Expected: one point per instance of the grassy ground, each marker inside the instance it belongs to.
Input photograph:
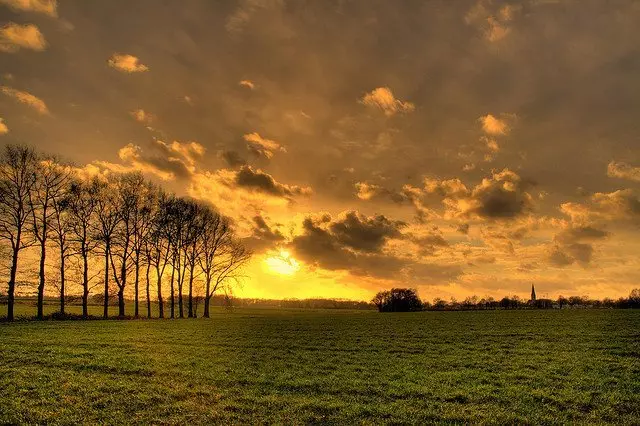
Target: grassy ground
(330, 367)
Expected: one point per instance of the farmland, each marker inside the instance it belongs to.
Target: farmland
(304, 366)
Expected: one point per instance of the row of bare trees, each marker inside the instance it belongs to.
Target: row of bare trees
(143, 235)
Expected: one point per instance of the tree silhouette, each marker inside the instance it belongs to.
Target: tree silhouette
(18, 165)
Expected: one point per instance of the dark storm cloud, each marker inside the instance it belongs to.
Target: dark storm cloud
(503, 197)
(259, 181)
(355, 243)
(367, 234)
(575, 244)
(263, 236)
(581, 233)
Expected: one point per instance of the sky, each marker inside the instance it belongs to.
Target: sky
(457, 147)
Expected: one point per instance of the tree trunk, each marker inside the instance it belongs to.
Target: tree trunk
(207, 298)
(85, 285)
(107, 251)
(173, 294)
(123, 283)
(62, 273)
(43, 255)
(190, 314)
(121, 302)
(180, 282)
(206, 307)
(160, 301)
(12, 279)
(136, 283)
(148, 292)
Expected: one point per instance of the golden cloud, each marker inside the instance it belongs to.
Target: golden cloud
(3, 127)
(14, 37)
(262, 147)
(48, 7)
(126, 63)
(494, 126)
(383, 99)
(623, 171)
(26, 98)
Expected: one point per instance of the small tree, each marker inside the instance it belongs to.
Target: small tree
(398, 300)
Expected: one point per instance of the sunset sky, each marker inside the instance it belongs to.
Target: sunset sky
(458, 147)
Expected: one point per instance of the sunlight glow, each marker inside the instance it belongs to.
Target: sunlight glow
(282, 263)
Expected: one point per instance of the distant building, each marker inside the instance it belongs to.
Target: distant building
(533, 293)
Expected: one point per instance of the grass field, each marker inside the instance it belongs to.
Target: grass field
(326, 367)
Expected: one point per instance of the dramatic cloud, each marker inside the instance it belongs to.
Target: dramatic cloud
(3, 127)
(356, 243)
(26, 98)
(263, 236)
(257, 180)
(14, 37)
(383, 99)
(126, 63)
(262, 147)
(623, 171)
(502, 196)
(167, 161)
(366, 234)
(48, 7)
(575, 244)
(619, 205)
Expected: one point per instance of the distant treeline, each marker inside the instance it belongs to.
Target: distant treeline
(407, 300)
(119, 233)
(219, 300)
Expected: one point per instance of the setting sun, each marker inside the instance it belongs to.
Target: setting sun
(282, 263)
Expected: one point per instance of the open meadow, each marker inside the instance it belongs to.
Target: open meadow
(299, 366)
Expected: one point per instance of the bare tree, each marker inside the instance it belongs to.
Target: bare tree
(81, 204)
(216, 235)
(60, 228)
(52, 181)
(127, 188)
(106, 224)
(231, 258)
(158, 249)
(192, 246)
(142, 221)
(175, 224)
(17, 181)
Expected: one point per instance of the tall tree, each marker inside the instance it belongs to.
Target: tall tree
(216, 236)
(18, 166)
(192, 246)
(60, 227)
(81, 204)
(159, 246)
(127, 198)
(52, 180)
(142, 221)
(106, 224)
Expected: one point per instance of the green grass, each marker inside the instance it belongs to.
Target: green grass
(276, 366)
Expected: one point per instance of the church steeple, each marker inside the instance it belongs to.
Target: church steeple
(533, 293)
